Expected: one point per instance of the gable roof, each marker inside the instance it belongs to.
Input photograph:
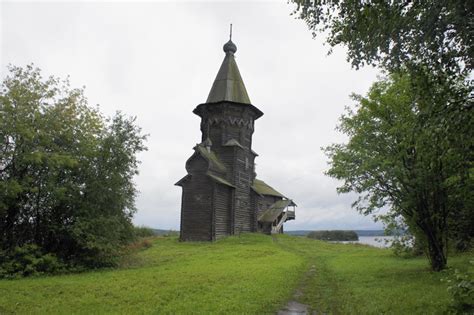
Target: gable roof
(216, 178)
(183, 180)
(262, 188)
(211, 157)
(274, 211)
(219, 180)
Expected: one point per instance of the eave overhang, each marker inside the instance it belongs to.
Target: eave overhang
(272, 213)
(258, 112)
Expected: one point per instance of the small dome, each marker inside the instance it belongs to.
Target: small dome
(230, 47)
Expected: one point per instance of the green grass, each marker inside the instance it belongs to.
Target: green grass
(235, 275)
(358, 279)
(252, 274)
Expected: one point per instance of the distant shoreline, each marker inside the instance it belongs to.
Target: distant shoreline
(295, 232)
(359, 232)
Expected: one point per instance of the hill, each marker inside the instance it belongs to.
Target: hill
(250, 274)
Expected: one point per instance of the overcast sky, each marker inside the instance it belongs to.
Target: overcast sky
(158, 60)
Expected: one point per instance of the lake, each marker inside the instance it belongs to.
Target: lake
(376, 241)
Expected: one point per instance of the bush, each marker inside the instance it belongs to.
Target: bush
(66, 174)
(143, 231)
(406, 246)
(28, 260)
(335, 235)
(139, 245)
(461, 288)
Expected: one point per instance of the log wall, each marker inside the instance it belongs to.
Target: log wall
(196, 209)
(222, 209)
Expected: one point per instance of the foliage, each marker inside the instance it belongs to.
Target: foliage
(435, 33)
(65, 171)
(406, 246)
(432, 42)
(248, 275)
(461, 288)
(143, 231)
(404, 156)
(143, 244)
(28, 260)
(334, 235)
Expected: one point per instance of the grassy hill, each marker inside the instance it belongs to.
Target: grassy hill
(252, 274)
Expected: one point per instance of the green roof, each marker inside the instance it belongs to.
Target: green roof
(228, 85)
(220, 180)
(233, 143)
(262, 188)
(274, 211)
(211, 157)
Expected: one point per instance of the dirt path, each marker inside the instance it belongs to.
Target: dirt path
(293, 307)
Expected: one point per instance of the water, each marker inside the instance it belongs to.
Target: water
(376, 241)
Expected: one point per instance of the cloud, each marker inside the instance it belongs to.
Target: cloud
(157, 61)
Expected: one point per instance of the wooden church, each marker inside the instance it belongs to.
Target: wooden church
(221, 194)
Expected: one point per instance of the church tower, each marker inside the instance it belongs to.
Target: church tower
(219, 197)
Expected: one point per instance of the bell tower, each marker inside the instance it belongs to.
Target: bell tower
(228, 120)
(221, 195)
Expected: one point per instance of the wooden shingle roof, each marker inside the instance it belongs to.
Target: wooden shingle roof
(211, 157)
(228, 85)
(274, 211)
(219, 180)
(262, 188)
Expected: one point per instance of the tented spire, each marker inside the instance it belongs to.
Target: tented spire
(228, 85)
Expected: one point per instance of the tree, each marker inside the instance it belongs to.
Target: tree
(435, 33)
(399, 157)
(431, 42)
(65, 171)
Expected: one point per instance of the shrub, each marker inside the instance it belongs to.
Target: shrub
(139, 245)
(143, 231)
(461, 288)
(406, 246)
(28, 260)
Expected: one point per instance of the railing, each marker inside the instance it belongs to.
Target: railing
(290, 215)
(276, 229)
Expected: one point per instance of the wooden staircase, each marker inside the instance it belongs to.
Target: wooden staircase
(276, 228)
